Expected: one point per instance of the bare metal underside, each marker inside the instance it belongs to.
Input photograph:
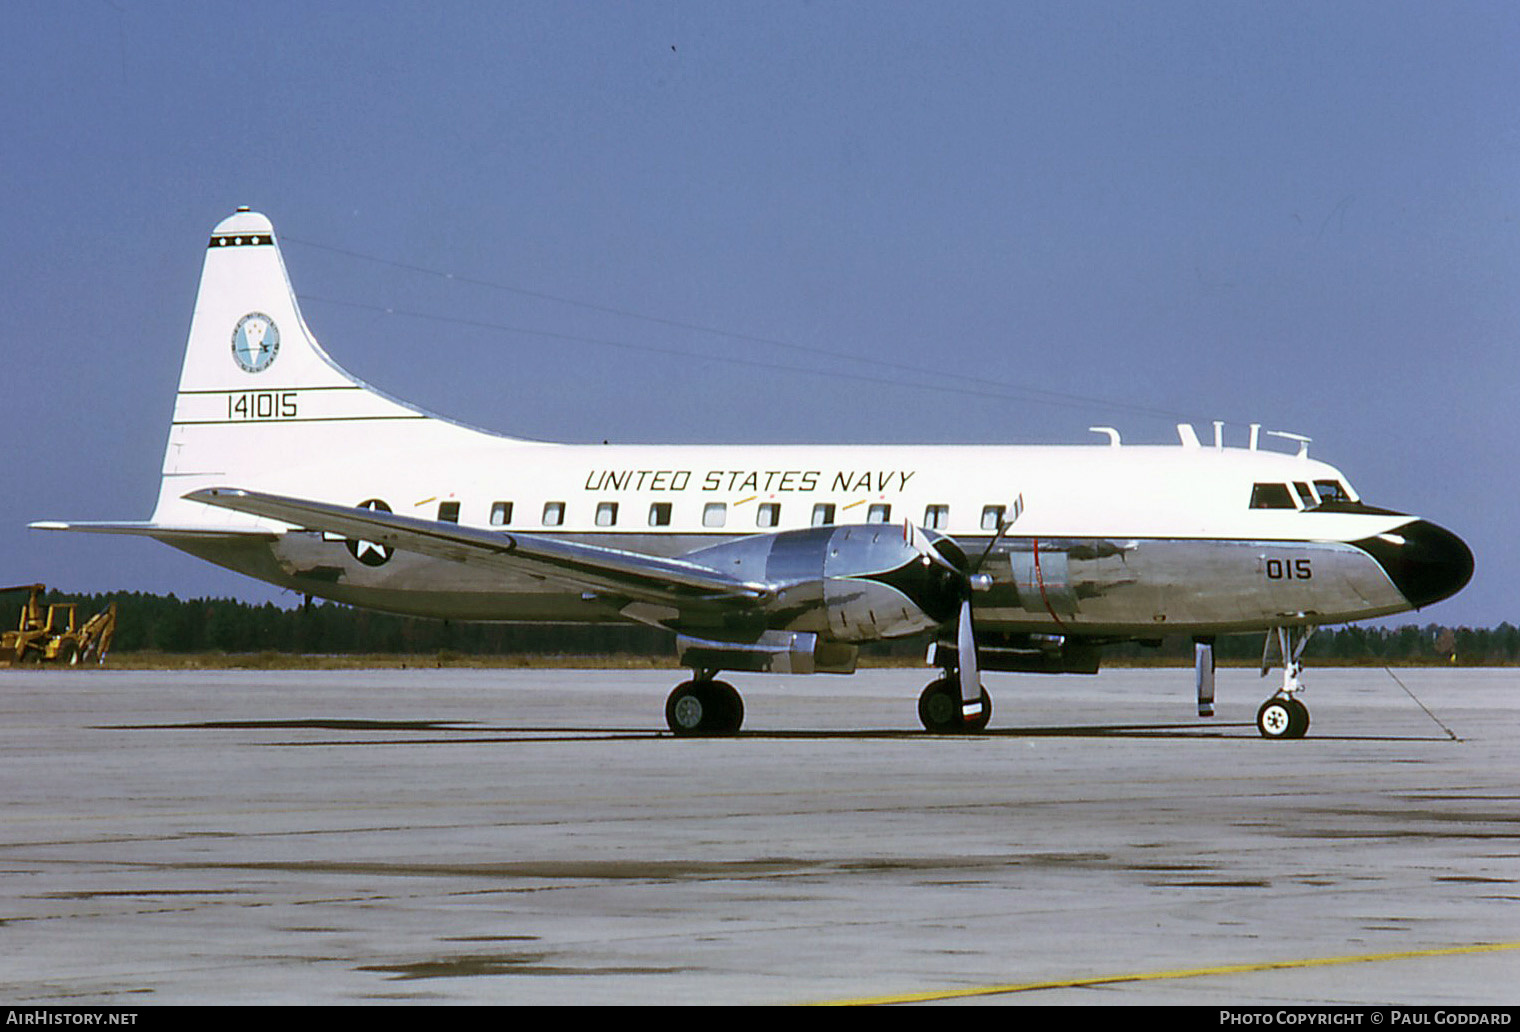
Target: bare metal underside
(1098, 588)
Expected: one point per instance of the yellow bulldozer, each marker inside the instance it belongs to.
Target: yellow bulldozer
(50, 632)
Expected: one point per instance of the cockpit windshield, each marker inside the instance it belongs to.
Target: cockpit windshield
(1331, 491)
(1325, 494)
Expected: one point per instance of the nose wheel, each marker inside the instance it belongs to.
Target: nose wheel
(1282, 717)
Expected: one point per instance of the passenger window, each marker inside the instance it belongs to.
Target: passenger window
(606, 514)
(937, 517)
(992, 516)
(659, 514)
(768, 515)
(1332, 491)
(554, 514)
(879, 513)
(501, 514)
(1271, 496)
(714, 514)
(448, 512)
(823, 514)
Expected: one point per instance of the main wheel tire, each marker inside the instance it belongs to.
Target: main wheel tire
(1300, 719)
(1282, 718)
(704, 708)
(939, 709)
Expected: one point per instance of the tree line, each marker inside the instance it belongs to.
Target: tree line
(164, 623)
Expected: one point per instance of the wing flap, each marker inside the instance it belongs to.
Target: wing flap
(636, 575)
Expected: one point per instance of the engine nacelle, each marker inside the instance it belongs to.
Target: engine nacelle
(877, 584)
(856, 583)
(774, 652)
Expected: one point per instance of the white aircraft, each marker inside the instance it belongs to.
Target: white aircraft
(283, 466)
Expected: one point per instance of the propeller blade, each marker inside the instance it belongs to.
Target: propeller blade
(1018, 510)
(915, 538)
(970, 675)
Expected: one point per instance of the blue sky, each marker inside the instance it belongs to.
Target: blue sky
(970, 222)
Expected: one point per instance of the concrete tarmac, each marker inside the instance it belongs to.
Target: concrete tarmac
(537, 837)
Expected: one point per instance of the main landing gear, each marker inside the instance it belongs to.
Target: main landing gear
(939, 708)
(703, 706)
(1284, 715)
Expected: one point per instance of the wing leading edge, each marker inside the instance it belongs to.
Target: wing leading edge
(633, 575)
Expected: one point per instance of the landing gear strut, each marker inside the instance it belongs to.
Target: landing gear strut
(703, 706)
(1284, 715)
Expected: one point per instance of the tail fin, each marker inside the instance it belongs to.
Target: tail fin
(258, 396)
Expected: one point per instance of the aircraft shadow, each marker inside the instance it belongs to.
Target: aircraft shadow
(462, 732)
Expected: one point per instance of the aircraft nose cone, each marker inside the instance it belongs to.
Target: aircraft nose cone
(1425, 562)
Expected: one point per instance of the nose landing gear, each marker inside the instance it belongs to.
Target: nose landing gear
(1284, 715)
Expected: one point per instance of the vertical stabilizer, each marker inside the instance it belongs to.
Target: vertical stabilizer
(247, 337)
(257, 394)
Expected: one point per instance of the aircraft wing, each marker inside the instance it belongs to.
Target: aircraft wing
(633, 575)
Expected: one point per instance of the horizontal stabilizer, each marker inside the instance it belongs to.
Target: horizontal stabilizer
(158, 531)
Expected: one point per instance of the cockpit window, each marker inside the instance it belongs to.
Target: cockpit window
(1331, 491)
(1271, 496)
(1305, 495)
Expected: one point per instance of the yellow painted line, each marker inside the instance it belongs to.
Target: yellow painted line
(1156, 976)
(852, 505)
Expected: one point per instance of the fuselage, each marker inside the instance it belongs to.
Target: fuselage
(1114, 541)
